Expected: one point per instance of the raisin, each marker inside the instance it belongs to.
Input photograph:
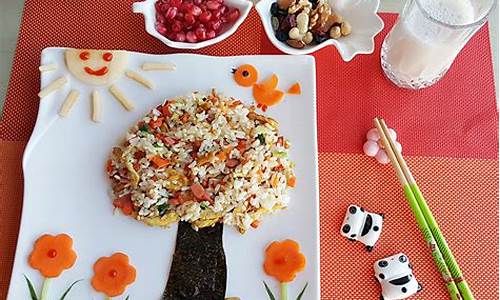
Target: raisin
(281, 35)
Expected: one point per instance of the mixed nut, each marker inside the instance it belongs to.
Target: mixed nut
(303, 22)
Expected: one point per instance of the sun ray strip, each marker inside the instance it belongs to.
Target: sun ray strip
(53, 86)
(46, 68)
(121, 98)
(68, 103)
(96, 106)
(158, 66)
(140, 79)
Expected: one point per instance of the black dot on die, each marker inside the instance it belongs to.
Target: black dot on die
(353, 235)
(382, 276)
(346, 228)
(404, 290)
(245, 73)
(375, 228)
(352, 210)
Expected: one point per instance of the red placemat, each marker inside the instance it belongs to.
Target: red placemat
(455, 118)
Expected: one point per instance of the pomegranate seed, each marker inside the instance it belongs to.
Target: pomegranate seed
(189, 19)
(176, 3)
(160, 18)
(171, 13)
(195, 10)
(164, 7)
(210, 34)
(161, 29)
(233, 15)
(216, 15)
(201, 33)
(186, 7)
(213, 5)
(158, 6)
(177, 26)
(180, 16)
(215, 25)
(193, 20)
(170, 35)
(191, 37)
(205, 17)
(180, 37)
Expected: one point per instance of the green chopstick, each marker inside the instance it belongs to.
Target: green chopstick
(422, 223)
(451, 263)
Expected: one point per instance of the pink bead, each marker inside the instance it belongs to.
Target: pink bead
(393, 134)
(398, 147)
(371, 148)
(372, 135)
(382, 157)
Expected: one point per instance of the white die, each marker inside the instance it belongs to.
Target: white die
(396, 278)
(363, 226)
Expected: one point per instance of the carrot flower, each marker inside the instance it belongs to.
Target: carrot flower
(52, 254)
(113, 274)
(284, 260)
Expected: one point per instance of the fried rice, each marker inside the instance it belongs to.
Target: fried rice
(202, 159)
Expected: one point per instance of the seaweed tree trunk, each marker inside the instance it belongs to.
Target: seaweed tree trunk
(198, 270)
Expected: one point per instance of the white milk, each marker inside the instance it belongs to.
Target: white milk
(419, 49)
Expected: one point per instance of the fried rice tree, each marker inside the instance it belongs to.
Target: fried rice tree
(202, 161)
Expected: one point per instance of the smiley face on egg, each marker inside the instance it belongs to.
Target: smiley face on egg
(96, 67)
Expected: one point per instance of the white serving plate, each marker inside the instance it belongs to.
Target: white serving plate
(147, 8)
(66, 188)
(362, 14)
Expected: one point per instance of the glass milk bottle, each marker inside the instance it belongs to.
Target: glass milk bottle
(428, 36)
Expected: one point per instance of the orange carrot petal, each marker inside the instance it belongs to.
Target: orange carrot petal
(52, 255)
(113, 274)
(283, 260)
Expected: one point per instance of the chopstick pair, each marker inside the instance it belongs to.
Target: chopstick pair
(443, 257)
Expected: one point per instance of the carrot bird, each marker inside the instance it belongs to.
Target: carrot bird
(265, 93)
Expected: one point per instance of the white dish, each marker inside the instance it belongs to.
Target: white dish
(362, 14)
(67, 190)
(147, 8)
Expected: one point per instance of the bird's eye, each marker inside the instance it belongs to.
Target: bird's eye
(107, 56)
(84, 55)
